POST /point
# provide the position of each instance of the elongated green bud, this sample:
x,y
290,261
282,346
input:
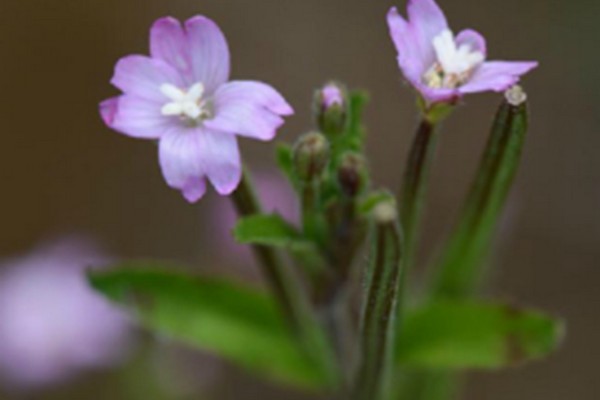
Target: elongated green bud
x,y
331,108
459,269
311,155
377,336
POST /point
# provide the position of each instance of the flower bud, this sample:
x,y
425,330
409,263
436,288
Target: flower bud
x,y
311,154
351,174
330,108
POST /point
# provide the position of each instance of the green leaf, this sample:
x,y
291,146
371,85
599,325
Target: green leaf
x,y
273,230
458,335
238,323
459,267
285,160
268,230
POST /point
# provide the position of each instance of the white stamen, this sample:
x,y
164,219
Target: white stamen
x,y
187,104
171,109
172,92
454,64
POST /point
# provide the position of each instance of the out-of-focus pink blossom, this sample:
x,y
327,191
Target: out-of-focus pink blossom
x,y
442,66
52,324
182,97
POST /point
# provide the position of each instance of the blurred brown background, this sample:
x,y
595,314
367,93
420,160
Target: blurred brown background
x,y
63,171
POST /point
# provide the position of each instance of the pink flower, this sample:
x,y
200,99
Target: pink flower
x,y
181,95
444,67
52,324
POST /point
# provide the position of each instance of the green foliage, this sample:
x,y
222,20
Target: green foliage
x,y
272,230
269,230
285,161
238,323
353,138
456,335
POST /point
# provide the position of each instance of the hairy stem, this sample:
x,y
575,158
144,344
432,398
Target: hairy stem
x,y
287,291
412,195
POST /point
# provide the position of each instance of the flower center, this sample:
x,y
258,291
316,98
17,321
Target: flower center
x,y
454,65
189,105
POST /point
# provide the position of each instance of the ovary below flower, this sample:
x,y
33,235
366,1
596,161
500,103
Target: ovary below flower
x,y
442,66
182,97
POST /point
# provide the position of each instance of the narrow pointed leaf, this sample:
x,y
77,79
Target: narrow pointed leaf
x,y
457,335
239,323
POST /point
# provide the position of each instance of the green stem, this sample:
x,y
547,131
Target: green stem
x,y
247,204
377,327
309,202
412,194
291,297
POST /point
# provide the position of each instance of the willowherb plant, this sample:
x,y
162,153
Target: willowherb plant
x,y
330,322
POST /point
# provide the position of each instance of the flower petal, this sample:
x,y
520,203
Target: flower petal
x,y
247,108
108,110
474,39
257,93
180,156
427,20
142,76
135,116
188,155
433,95
409,55
209,52
194,189
221,155
168,42
497,76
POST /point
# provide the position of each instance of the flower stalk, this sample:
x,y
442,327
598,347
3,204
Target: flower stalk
x,y
412,194
377,326
295,306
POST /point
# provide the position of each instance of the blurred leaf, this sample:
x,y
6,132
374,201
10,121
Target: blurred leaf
x,y
459,268
285,160
273,230
459,335
238,323
268,230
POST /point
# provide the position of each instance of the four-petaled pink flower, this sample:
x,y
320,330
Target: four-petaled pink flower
x,y
444,67
181,96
